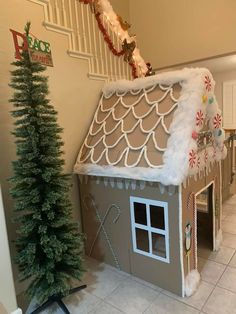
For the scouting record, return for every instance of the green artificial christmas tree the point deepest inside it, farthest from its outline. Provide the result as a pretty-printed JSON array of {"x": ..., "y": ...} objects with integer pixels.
[{"x": 49, "y": 246}]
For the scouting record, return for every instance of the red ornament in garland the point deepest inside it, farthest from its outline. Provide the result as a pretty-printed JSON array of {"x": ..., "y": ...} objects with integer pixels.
[
  {"x": 134, "y": 70},
  {"x": 85, "y": 1}
]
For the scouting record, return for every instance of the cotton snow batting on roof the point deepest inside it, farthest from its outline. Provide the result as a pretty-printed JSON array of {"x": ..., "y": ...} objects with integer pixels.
[{"x": 143, "y": 129}]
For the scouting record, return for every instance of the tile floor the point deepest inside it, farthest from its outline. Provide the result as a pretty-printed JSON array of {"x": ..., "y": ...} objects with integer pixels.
[{"x": 114, "y": 292}]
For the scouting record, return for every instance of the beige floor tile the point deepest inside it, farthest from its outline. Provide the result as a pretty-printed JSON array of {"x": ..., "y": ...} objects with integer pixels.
[
  {"x": 231, "y": 218},
  {"x": 223, "y": 216},
  {"x": 229, "y": 240},
  {"x": 2, "y": 309},
  {"x": 145, "y": 283},
  {"x": 104, "y": 308},
  {"x": 210, "y": 270},
  {"x": 77, "y": 303},
  {"x": 132, "y": 297},
  {"x": 229, "y": 227},
  {"x": 233, "y": 261},
  {"x": 82, "y": 303},
  {"x": 221, "y": 301},
  {"x": 223, "y": 255},
  {"x": 229, "y": 209},
  {"x": 166, "y": 305},
  {"x": 102, "y": 282},
  {"x": 228, "y": 279},
  {"x": 230, "y": 201},
  {"x": 198, "y": 299}
]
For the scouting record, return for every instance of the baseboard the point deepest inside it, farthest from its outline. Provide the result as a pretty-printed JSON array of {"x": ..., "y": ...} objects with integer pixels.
[{"x": 17, "y": 311}]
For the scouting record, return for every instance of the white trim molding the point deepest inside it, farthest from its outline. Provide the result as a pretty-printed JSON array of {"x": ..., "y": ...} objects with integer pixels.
[{"x": 149, "y": 229}]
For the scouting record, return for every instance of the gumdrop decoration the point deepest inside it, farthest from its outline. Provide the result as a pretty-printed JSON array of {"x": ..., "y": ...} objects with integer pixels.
[
  {"x": 210, "y": 100},
  {"x": 204, "y": 99}
]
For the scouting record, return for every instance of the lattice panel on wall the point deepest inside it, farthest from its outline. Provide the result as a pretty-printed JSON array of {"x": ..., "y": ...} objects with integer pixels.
[{"x": 85, "y": 41}]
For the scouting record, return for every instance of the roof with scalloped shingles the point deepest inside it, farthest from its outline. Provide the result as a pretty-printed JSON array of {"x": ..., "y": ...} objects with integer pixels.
[{"x": 142, "y": 129}]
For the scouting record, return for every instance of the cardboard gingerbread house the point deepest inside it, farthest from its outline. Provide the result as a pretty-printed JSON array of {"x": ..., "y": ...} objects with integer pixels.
[{"x": 150, "y": 177}]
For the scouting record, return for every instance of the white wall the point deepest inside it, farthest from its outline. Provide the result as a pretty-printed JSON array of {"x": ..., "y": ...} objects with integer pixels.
[
  {"x": 220, "y": 78},
  {"x": 179, "y": 31},
  {"x": 7, "y": 291}
]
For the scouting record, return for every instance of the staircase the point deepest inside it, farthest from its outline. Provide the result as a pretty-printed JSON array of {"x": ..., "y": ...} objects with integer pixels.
[{"x": 85, "y": 40}]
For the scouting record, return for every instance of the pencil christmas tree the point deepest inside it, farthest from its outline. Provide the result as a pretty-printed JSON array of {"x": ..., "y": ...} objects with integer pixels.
[{"x": 49, "y": 247}]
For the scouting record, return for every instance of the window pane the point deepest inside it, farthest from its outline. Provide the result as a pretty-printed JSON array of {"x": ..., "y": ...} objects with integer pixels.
[
  {"x": 158, "y": 245},
  {"x": 142, "y": 239},
  {"x": 157, "y": 217},
  {"x": 140, "y": 213}
]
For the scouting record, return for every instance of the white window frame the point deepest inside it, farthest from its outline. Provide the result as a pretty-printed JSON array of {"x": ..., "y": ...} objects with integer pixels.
[{"x": 148, "y": 227}]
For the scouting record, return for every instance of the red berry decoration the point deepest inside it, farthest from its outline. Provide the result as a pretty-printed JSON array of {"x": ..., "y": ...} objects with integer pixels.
[{"x": 194, "y": 135}]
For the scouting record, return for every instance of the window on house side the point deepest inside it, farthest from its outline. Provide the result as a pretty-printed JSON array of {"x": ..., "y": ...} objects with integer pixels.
[{"x": 150, "y": 229}]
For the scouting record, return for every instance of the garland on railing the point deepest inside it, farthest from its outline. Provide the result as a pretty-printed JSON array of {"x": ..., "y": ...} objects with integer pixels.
[
  {"x": 107, "y": 37},
  {"x": 129, "y": 50}
]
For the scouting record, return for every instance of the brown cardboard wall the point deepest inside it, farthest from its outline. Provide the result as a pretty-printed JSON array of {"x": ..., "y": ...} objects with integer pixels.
[
  {"x": 165, "y": 275},
  {"x": 194, "y": 186}
]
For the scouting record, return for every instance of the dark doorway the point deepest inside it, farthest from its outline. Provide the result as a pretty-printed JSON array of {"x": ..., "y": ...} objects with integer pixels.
[{"x": 204, "y": 205}]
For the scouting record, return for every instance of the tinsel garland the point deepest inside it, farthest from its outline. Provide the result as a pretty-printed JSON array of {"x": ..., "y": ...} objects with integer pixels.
[
  {"x": 107, "y": 37},
  {"x": 109, "y": 41},
  {"x": 111, "y": 46}
]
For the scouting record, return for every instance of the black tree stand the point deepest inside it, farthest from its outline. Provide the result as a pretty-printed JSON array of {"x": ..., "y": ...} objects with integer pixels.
[{"x": 58, "y": 300}]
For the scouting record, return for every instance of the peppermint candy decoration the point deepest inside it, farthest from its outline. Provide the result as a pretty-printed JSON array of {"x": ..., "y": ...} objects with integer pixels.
[
  {"x": 199, "y": 118},
  {"x": 217, "y": 121},
  {"x": 207, "y": 82},
  {"x": 192, "y": 158},
  {"x": 214, "y": 153},
  {"x": 198, "y": 162}
]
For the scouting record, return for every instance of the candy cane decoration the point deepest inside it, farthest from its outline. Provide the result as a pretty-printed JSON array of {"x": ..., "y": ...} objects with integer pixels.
[{"x": 101, "y": 226}]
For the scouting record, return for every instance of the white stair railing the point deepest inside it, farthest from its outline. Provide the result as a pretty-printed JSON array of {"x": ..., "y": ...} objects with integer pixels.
[{"x": 85, "y": 40}]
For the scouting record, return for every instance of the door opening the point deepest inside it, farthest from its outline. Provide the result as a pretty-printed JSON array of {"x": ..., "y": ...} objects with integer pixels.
[{"x": 205, "y": 221}]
